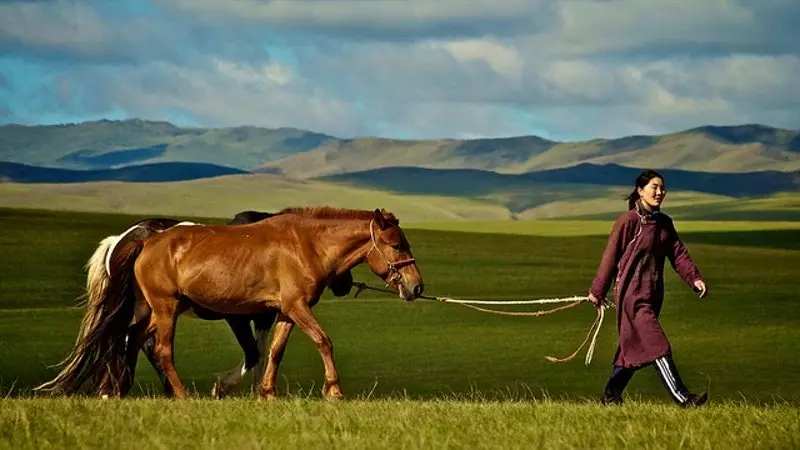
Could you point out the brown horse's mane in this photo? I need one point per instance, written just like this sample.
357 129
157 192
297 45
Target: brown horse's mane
328 212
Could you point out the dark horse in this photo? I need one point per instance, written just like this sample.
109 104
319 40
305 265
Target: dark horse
253 346
280 266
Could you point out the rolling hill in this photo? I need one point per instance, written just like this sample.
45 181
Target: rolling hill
212 171
226 195
709 149
470 182
568 191
107 144
418 194
304 154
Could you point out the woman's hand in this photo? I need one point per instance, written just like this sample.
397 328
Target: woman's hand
701 288
595 301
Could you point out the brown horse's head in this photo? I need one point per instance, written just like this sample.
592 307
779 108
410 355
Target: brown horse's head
390 256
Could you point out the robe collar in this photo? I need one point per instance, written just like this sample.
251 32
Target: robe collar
646 215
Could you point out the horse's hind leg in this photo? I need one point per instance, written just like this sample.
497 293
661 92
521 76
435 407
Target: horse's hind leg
240 325
148 348
301 315
147 343
283 327
163 320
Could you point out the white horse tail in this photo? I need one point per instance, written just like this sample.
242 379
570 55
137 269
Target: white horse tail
97 277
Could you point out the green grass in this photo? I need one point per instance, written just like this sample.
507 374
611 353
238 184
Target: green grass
426 374
364 424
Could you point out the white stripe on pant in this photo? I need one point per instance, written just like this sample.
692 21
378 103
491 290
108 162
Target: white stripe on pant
663 367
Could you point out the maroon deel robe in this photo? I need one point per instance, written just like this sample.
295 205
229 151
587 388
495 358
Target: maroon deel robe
635 253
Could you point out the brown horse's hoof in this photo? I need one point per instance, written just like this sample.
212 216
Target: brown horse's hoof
269 394
333 393
334 398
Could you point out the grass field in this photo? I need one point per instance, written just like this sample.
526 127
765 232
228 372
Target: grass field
421 374
380 423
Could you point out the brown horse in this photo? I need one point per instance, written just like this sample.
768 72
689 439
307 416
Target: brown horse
282 264
253 346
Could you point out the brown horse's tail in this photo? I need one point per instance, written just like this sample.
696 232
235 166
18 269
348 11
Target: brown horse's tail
99 351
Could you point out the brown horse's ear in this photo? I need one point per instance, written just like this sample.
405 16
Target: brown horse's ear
379 219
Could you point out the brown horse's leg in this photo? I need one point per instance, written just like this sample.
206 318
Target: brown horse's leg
302 316
283 327
148 348
164 318
262 324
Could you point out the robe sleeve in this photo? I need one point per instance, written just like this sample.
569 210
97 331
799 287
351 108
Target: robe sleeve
679 258
607 270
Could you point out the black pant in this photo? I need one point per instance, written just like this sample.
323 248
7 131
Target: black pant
665 366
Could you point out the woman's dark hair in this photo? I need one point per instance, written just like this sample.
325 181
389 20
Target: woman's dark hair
641 181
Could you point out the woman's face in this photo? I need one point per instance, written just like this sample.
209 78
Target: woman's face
653 193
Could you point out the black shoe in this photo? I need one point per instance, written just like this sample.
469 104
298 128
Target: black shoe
615 400
695 400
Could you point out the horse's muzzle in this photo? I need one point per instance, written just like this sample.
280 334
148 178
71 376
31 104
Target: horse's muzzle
409 293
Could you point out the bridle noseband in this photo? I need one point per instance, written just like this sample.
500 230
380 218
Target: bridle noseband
394 267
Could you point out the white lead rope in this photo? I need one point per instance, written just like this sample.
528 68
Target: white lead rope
591 336
542 301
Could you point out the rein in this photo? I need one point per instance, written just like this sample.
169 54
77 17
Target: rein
574 301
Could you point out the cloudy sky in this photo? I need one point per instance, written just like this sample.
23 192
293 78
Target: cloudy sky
561 69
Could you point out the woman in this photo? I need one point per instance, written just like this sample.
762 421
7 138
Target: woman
640 241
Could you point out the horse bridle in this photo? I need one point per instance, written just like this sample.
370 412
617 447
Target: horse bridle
394 267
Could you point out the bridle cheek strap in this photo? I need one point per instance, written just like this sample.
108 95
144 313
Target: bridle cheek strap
395 266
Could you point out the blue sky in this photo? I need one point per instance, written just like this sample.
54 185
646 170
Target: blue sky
566 70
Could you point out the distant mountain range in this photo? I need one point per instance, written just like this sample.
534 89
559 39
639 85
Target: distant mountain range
730 172
303 154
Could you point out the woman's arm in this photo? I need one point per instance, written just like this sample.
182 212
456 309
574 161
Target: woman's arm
618 239
682 263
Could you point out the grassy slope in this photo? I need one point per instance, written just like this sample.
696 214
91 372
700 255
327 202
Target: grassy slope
224 196
220 197
597 227
240 147
684 150
779 207
689 150
369 153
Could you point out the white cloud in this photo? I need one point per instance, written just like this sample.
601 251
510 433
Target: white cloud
503 59
221 93
422 68
384 19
